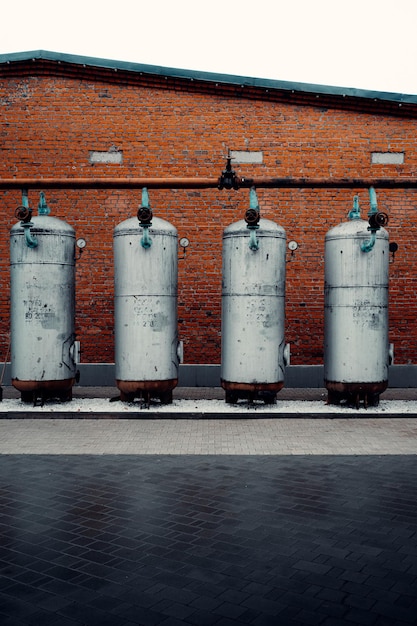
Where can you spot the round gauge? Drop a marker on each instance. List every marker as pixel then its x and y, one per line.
pixel 81 243
pixel 293 245
pixel 184 242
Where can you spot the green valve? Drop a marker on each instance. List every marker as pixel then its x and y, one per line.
pixel 355 213
pixel 43 208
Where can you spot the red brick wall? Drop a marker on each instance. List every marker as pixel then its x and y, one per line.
pixel 49 125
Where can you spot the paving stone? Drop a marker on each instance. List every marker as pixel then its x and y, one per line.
pixel 105 544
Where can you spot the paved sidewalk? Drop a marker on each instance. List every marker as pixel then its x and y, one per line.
pixel 295 436
pixel 98 540
pixel 224 521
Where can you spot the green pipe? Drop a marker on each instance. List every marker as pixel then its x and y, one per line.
pixel 146 241
pixel 355 213
pixel 254 205
pixel 253 240
pixel 43 208
pixel 31 241
pixel 368 244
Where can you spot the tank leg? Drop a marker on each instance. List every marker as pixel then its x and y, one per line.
pixel 357 400
pixel 126 397
pixel 373 399
pixel 231 397
pixel 66 396
pixel 269 398
pixel 28 397
pixel 166 397
pixel 333 397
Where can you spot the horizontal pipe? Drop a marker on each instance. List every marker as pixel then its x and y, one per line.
pixel 107 183
pixel 206 183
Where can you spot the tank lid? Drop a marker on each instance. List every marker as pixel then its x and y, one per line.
pixel 132 226
pixel 45 224
pixel 355 227
pixel 266 227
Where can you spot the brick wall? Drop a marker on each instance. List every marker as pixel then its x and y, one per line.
pixel 51 123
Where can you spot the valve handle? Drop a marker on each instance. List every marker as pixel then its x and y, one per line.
pixel 145 215
pixel 252 217
pixel 23 213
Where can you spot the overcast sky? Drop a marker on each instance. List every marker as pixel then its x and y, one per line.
pixel 367 44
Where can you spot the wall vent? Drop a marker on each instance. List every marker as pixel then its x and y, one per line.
pixel 388 158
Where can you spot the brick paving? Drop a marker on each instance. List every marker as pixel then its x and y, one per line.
pixel 221 521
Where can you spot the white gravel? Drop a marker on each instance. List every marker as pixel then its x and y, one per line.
pixel 208 407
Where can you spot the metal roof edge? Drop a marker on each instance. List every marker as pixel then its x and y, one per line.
pixel 212 77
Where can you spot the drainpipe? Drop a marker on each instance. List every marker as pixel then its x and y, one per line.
pixel 252 217
pixel 24 213
pixel 376 220
pixel 145 219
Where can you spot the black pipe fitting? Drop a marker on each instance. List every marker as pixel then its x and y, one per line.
pixel 376 220
pixel 252 217
pixel 145 215
pixel 228 179
pixel 24 214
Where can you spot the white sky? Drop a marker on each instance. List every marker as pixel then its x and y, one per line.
pixel 367 44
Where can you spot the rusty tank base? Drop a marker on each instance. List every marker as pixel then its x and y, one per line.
pixel 267 392
pixel 147 390
pixel 354 394
pixel 37 392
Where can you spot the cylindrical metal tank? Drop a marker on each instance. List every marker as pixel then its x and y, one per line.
pixel 42 298
pixel 253 311
pixel 356 344
pixel 146 333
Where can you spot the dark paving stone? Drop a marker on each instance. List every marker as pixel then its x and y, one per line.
pixel 196 540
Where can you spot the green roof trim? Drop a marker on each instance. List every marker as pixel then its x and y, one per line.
pixel 211 77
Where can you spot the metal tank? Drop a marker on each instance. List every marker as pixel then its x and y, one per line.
pixel 253 353
pixel 356 344
pixel 42 297
pixel 147 351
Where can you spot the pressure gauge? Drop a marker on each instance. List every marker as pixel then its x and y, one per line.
pixel 292 245
pixel 184 242
pixel 81 243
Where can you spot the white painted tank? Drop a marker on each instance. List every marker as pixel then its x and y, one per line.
pixel 253 311
pixel 356 344
pixel 146 333
pixel 42 297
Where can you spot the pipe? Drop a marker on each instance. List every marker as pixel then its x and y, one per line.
pixel 205 183
pixel 252 218
pixel 253 240
pixel 146 241
pixel 145 217
pixel 355 213
pixel 31 241
pixel 368 244
pixel 43 208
